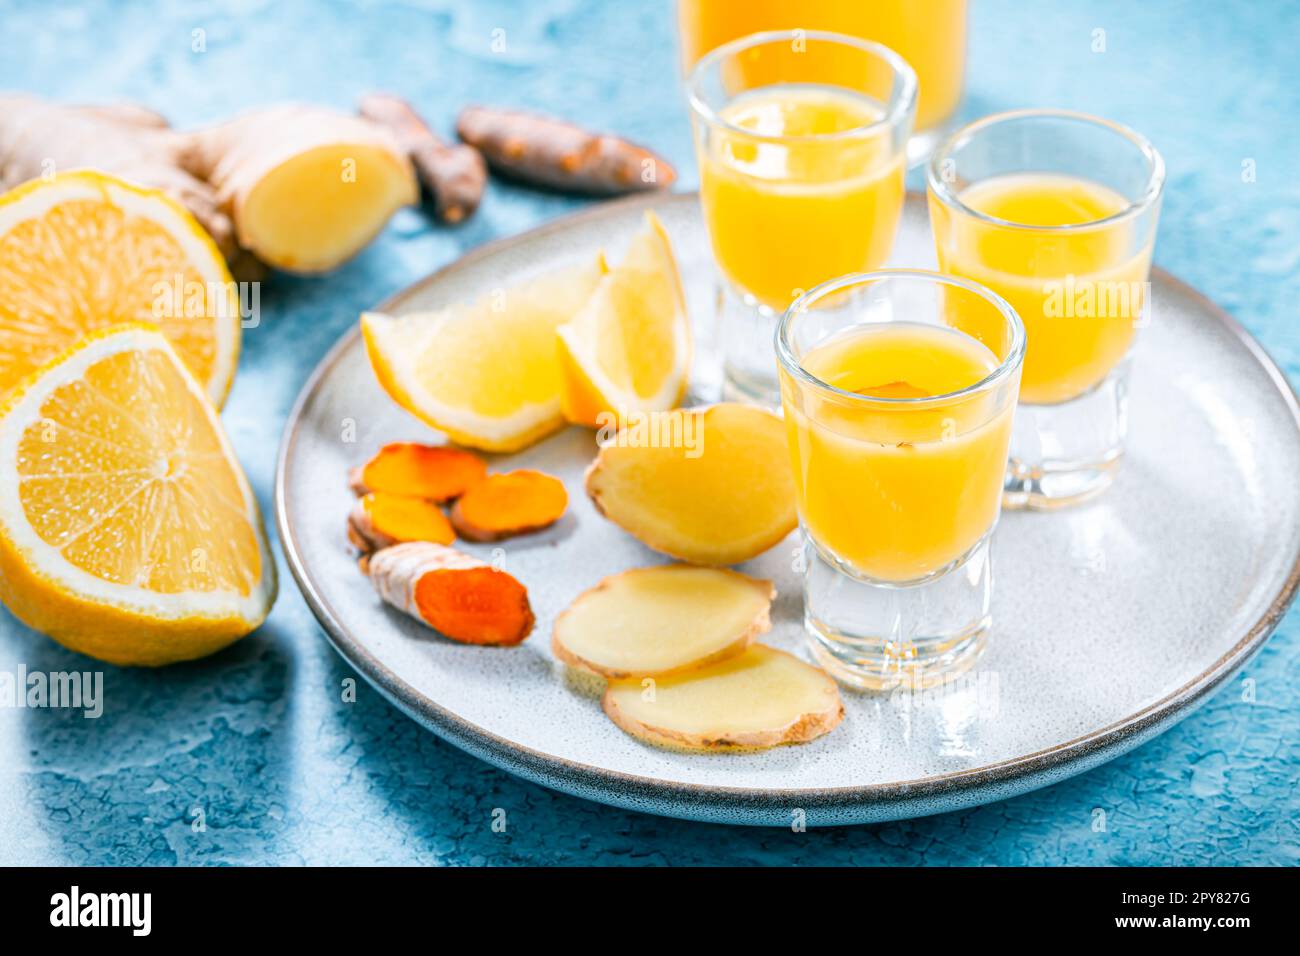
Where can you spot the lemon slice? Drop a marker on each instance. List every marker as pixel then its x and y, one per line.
pixel 487 373
pixel 84 251
pixel 629 349
pixel 127 528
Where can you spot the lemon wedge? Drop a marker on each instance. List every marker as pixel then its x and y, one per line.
pixel 486 373
pixel 127 528
pixel 629 349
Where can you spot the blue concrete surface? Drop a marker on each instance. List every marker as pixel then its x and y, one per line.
pixel 258 737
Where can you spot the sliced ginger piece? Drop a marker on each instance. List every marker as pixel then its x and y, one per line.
pixel 708 486
pixel 760 698
pixel 486 373
pixel 509 504
pixel 629 348
pixel 436 472
pixel 380 519
pixel 649 622
pixel 457 595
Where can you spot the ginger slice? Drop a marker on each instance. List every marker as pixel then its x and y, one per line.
pixel 708 486
pixel 458 596
pixel 380 519
pixel 649 622
pixel 516 502
pixel 437 472
pixel 761 698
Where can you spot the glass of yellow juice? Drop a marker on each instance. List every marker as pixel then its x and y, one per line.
pixel 898 389
pixel 930 35
pixel 801 180
pixel 1056 212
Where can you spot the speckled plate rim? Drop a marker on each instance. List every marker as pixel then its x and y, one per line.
pixel 745 805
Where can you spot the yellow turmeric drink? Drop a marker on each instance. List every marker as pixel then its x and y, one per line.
pixel 1079 291
pixel 930 35
pixel 897 490
pixel 810 195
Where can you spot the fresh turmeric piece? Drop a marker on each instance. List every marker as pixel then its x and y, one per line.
pixel 516 502
pixel 457 595
pixel 454 174
pixel 552 152
pixel 436 472
pixel 380 519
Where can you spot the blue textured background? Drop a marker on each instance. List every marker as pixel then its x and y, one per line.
pixel 258 737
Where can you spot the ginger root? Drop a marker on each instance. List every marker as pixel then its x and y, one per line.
pixel 381 519
pixel 650 622
pixel 509 504
pixel 708 486
pixel 301 188
pixel 306 187
pixel 454 174
pixel 436 472
pixel 760 698
pixel 458 596
pixel 552 152
pixel 39 138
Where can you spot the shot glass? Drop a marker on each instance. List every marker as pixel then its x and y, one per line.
pixel 930 36
pixel 801 179
pixel 899 420
pixel 1056 212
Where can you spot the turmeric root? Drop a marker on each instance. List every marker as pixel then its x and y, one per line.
pixel 456 595
pixel 552 152
pixel 436 472
pixel 650 622
pixel 454 174
pixel 300 187
pixel 501 506
pixel 380 519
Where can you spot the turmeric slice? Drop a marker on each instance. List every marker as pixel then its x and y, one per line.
pixel 437 472
pixel 516 502
pixel 380 519
pixel 460 597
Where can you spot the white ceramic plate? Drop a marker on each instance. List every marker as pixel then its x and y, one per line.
pixel 1112 621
